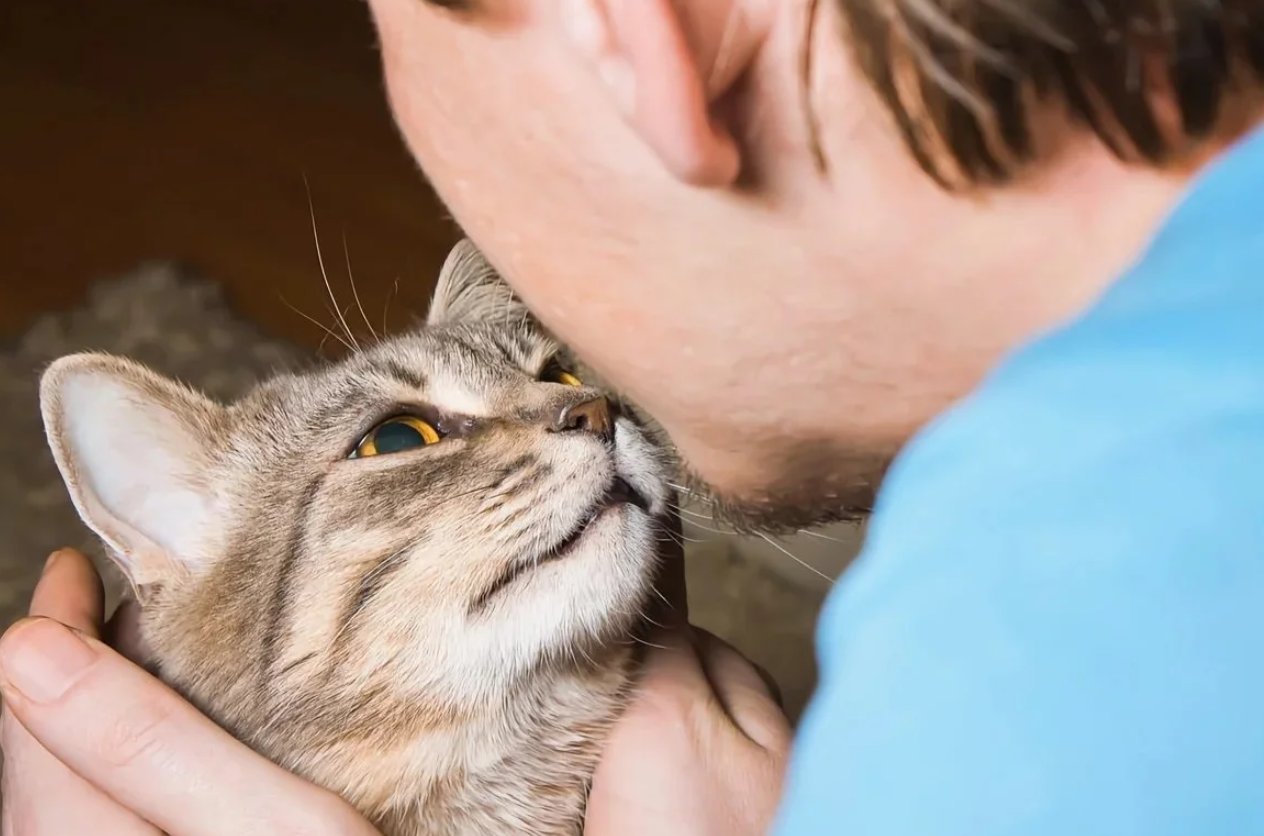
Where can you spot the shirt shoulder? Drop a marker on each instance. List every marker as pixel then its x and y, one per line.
pixel 1057 622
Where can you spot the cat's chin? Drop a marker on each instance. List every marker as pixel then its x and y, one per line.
pixel 584 600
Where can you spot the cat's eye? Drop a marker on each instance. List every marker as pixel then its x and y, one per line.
pixel 554 373
pixel 396 435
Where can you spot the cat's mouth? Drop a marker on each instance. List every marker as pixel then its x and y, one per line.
pixel 618 495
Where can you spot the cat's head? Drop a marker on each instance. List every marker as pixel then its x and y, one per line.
pixel 447 508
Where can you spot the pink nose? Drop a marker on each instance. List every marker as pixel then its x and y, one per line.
pixel 590 416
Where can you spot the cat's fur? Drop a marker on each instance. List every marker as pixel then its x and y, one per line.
pixel 333 612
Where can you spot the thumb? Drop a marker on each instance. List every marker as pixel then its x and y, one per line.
pixel 140 743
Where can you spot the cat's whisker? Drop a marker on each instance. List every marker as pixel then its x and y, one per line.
pixel 678 539
pixel 644 616
pixel 795 558
pixel 691 493
pixel 697 524
pixel 673 535
pixel 386 309
pixel 355 292
pixel 818 535
pixel 329 332
pixel 392 559
pixel 696 515
pixel 324 274
pixel 660 596
pixel 647 643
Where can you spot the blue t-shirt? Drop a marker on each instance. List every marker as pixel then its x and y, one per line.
pixel 1057 625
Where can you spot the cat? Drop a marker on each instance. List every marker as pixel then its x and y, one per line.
pixel 411 576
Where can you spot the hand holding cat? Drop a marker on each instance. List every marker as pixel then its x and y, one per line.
pixel 109 750
pixel 702 748
pixel 93 744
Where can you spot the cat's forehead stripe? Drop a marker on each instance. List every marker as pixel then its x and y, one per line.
pixel 410 377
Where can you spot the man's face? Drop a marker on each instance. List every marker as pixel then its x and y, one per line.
pixel 788 334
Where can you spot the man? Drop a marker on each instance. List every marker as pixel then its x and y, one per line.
pixel 796 231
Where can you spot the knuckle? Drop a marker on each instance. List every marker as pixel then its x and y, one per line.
pixel 670 705
pixel 137 735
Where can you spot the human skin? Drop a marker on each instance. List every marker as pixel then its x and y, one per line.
pixel 641 172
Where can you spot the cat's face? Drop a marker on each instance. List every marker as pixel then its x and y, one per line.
pixel 442 511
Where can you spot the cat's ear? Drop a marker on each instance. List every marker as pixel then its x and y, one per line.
pixel 470 290
pixel 132 448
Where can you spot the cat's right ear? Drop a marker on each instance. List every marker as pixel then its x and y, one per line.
pixel 132 447
pixel 470 290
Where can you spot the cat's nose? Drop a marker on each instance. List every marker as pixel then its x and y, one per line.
pixel 590 416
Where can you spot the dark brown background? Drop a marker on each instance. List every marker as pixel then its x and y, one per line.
pixel 183 129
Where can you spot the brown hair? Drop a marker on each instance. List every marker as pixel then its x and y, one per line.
pixel 967 79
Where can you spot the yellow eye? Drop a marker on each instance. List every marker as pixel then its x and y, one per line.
pixel 553 373
pixel 397 435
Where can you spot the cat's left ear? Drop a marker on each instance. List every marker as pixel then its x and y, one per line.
pixel 470 290
pixel 133 449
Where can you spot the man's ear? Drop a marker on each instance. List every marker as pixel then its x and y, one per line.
pixel 665 64
pixel 133 449
pixel 470 290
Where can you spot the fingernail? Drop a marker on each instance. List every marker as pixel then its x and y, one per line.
pixel 52 559
pixel 41 658
pixel 617 74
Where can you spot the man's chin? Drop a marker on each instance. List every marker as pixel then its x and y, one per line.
pixel 815 485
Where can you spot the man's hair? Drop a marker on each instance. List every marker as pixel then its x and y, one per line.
pixel 968 81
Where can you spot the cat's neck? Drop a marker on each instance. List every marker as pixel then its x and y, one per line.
pixel 522 766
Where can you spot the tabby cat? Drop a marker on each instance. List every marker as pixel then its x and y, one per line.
pixel 411 576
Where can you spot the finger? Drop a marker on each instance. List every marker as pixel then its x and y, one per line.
pixel 122 632
pixel 744 693
pixel 42 797
pixel 148 749
pixel 70 591
pixel 672 660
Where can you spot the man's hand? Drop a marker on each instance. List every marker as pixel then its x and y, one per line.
pixel 93 744
pixel 701 750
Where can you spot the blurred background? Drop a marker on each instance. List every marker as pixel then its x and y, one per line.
pixel 156 163
pixel 183 129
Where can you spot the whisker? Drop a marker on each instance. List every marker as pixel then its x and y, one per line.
pixel 696 515
pixel 386 309
pixel 692 494
pixel 354 290
pixel 320 259
pixel 818 535
pixel 795 558
pixel 329 332
pixel 390 560
pixel 709 528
